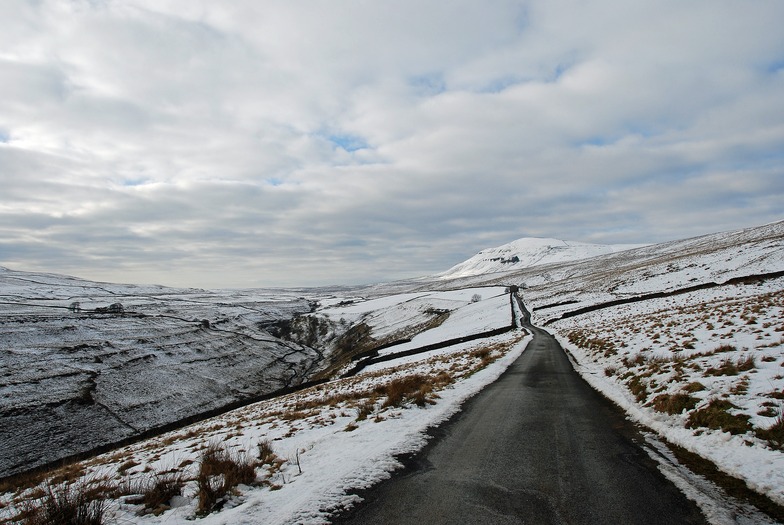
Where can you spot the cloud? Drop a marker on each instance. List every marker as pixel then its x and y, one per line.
pixel 278 143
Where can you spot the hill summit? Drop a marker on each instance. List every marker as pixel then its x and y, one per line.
pixel 527 252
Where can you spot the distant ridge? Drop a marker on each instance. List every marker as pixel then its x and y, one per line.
pixel 528 252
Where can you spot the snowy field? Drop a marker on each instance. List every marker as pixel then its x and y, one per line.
pixel 447 315
pixel 529 252
pixel 306 451
pixel 303 453
pixel 703 369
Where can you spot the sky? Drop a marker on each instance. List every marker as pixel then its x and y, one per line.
pixel 313 142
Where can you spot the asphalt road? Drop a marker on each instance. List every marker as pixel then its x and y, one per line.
pixel 538 446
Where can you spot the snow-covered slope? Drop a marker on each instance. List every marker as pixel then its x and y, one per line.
pixel 76 374
pixel 528 252
pixel 698 357
pixel 322 442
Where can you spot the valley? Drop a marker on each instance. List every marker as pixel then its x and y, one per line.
pixel 686 337
pixel 75 377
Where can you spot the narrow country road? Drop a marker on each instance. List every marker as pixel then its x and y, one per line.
pixel 538 446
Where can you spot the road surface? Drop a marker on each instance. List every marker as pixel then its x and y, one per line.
pixel 538 446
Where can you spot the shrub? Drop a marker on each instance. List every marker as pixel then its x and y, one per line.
pixel 219 472
pixel 716 416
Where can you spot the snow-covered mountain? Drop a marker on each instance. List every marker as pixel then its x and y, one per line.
pixel 528 252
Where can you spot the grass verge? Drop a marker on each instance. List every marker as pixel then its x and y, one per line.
pixel 731 485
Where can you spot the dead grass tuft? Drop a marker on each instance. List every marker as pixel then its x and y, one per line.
pixel 694 386
pixel 728 367
pixel 156 491
pixel 725 348
pixel 219 472
pixel 366 408
pixel 416 388
pixel 674 403
pixel 774 434
pixel 80 503
pixel 717 416
pixel 638 388
pixel 127 465
pixel 266 454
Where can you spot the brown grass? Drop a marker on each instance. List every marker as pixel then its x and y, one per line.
pixel 366 408
pixel 127 465
pixel 674 403
pixel 156 491
pixel 67 474
pixel 266 454
pixel 219 472
pixel 774 434
pixel 717 416
pixel 694 386
pixel 725 348
pixel 414 388
pixel 768 410
pixel 81 503
pixel 728 367
pixel 594 344
pixel 741 387
pixel 638 388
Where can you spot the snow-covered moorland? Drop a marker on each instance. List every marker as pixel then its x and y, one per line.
pixel 294 459
pixel 693 346
pixel 77 373
pixel 686 336
pixel 704 369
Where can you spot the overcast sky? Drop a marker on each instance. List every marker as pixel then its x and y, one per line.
pixel 282 143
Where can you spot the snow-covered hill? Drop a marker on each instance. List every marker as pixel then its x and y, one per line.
pixel 528 252
pixel 304 452
pixel 686 336
pixel 77 372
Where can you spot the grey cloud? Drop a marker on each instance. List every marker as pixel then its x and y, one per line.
pixel 267 143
